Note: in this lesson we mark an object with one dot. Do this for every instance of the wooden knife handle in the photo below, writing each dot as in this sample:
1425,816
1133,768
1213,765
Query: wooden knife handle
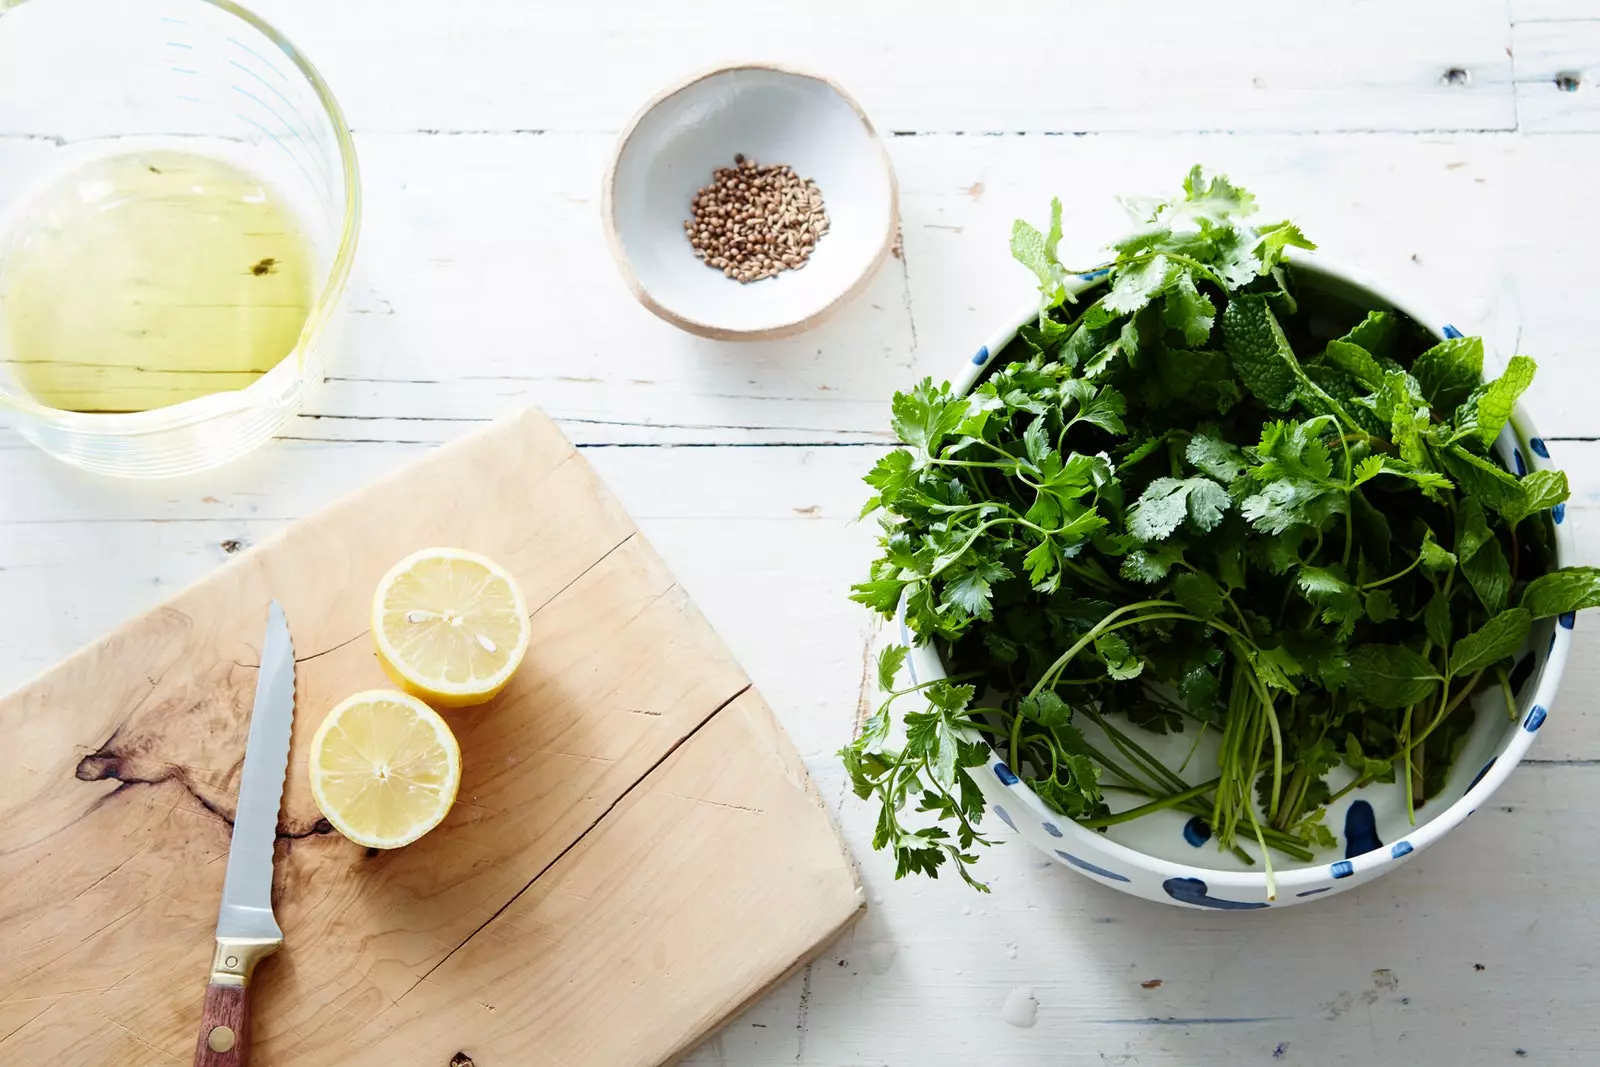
224,1027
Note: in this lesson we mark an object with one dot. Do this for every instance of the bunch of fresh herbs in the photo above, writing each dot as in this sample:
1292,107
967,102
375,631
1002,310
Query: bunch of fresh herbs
1199,496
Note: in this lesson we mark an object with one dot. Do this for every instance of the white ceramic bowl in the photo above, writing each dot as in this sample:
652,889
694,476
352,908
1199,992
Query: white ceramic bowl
769,114
1165,856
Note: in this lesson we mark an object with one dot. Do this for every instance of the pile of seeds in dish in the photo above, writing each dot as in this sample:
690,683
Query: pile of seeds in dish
752,221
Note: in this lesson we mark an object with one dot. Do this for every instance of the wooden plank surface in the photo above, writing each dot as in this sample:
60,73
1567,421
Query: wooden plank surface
739,461
120,777
918,67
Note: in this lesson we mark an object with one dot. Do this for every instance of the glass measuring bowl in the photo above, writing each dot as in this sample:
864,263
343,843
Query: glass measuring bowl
86,80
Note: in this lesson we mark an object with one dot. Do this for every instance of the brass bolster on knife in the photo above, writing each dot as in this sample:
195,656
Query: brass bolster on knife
236,958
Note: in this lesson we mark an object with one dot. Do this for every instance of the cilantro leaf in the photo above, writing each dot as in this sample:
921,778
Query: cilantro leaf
1341,603
1198,592
1151,562
1189,311
1103,407
1216,457
1047,709
1435,557
1380,606
1166,502
1137,285
1271,242
1120,662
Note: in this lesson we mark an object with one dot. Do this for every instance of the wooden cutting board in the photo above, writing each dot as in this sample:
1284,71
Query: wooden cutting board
635,853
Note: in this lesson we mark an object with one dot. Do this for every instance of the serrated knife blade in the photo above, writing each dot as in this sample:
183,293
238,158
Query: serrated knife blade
246,929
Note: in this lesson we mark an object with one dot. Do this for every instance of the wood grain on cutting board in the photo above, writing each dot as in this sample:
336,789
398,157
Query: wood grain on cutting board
636,849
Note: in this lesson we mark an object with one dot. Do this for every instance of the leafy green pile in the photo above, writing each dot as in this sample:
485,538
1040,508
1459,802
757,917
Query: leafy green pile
1200,496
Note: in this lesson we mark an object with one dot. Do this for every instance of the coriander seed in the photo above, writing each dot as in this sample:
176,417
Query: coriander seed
753,221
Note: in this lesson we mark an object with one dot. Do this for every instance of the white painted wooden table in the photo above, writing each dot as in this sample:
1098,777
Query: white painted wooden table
1450,147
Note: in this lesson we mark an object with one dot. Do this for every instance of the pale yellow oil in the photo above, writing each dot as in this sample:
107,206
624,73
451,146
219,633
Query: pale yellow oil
140,281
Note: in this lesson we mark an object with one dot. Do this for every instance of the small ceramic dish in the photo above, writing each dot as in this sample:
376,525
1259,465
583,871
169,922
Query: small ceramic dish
771,115
1168,857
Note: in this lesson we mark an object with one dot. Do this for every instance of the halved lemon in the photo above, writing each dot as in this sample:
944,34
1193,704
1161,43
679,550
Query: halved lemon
384,768
450,625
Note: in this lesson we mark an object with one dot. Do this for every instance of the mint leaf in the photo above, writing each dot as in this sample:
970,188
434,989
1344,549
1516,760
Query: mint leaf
1256,345
1490,643
1436,620
1541,490
1356,362
1037,252
1263,359
1560,592
1485,482
1483,561
1500,397
1472,529
1449,371
1378,334
1390,676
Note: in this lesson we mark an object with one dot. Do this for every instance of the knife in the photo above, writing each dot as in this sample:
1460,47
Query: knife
246,930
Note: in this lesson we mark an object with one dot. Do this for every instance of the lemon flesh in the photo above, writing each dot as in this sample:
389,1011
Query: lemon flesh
384,768
450,626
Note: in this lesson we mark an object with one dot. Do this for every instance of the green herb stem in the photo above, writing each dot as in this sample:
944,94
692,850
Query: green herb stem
1162,804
